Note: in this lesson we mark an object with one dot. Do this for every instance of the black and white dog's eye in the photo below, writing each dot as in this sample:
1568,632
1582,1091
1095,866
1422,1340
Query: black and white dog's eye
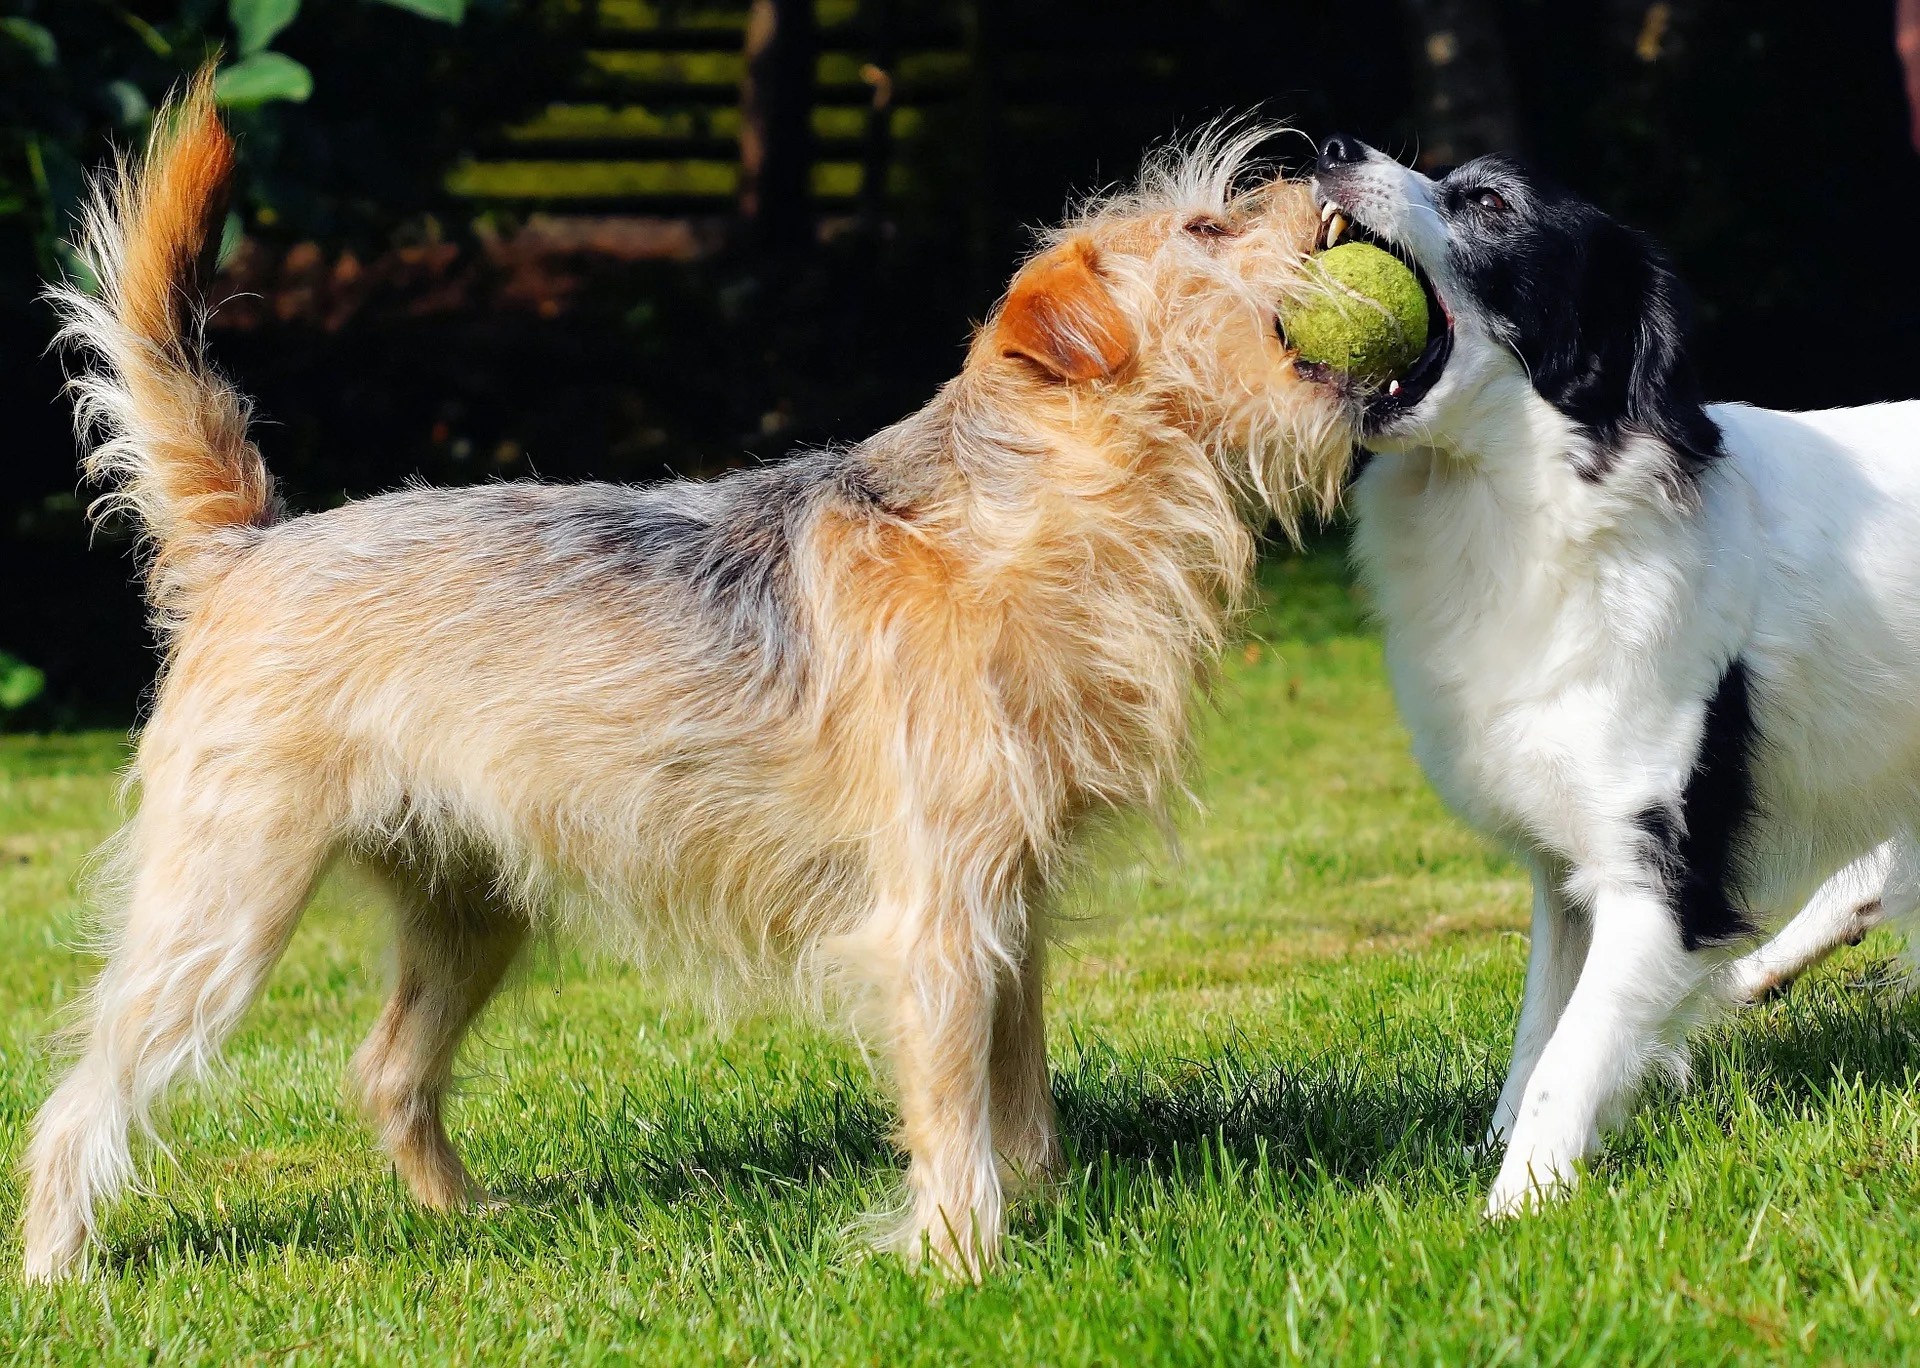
1490,200
1204,227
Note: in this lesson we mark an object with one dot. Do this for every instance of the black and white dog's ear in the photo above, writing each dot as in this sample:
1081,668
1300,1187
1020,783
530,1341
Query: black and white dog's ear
1630,372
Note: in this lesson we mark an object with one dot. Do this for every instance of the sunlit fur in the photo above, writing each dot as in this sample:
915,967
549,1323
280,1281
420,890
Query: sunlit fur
1882,886
835,721
1664,651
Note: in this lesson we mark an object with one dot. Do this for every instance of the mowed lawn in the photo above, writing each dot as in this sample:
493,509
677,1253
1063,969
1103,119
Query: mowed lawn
1269,1055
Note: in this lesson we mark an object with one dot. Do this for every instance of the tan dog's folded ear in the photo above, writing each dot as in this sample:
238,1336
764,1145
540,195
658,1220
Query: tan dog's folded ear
1061,316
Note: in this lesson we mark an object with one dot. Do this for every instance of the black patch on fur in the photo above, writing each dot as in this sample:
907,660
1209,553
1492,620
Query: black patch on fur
1695,851
1593,308
727,543
857,486
732,552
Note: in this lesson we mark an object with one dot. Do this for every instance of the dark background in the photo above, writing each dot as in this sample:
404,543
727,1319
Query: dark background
395,323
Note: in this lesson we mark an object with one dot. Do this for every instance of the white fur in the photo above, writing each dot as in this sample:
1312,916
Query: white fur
1842,911
1553,643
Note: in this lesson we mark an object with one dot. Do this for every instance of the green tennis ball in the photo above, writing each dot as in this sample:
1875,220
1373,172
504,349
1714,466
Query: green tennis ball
1365,313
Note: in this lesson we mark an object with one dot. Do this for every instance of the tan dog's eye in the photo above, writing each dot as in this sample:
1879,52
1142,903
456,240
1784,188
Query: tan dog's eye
1205,228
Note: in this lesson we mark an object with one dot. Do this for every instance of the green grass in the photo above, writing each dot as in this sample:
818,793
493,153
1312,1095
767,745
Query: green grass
1268,1056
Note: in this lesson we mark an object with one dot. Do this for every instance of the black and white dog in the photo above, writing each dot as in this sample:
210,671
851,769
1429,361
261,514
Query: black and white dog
1667,652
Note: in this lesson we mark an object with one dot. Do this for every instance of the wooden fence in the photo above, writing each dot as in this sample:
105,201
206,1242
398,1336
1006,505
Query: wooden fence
653,121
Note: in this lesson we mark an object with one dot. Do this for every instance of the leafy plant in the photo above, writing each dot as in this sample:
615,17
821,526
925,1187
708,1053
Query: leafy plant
75,72
20,683
257,22
262,76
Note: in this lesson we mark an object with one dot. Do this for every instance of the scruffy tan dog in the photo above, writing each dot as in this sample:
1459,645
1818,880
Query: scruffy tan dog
838,719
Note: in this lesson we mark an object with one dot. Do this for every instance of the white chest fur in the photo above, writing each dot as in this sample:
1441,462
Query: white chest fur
1550,656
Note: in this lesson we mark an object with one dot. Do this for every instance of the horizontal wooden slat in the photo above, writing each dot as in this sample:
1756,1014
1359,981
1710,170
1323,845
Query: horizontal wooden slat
831,97
724,70
635,123
648,149
569,180
667,78
852,38
572,180
645,15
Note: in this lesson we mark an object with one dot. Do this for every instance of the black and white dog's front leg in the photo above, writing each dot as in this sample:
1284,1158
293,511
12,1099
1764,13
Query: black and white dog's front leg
1663,895
1631,991
1560,936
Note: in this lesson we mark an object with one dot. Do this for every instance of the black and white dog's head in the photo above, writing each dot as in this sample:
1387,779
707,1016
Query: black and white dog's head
1537,289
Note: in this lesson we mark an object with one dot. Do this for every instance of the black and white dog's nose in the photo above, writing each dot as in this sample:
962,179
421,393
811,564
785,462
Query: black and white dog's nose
1341,150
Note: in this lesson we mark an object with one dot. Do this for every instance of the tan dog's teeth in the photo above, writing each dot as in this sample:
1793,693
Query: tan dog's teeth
1336,228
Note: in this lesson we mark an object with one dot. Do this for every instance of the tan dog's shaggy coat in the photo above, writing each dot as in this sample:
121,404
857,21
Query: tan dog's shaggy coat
841,716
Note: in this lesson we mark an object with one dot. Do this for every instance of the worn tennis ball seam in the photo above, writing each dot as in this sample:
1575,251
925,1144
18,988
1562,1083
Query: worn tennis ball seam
1365,313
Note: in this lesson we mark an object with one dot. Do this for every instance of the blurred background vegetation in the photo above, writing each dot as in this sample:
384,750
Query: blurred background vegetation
623,238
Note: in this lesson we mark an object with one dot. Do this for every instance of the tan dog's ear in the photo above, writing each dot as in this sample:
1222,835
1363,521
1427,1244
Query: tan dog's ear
1062,317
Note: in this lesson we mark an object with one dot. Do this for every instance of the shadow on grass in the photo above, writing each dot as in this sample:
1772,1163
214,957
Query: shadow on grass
1863,1029
678,1146
1350,1122
1341,1119
829,1139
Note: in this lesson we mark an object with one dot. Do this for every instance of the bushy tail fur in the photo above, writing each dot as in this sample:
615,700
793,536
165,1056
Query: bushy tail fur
169,433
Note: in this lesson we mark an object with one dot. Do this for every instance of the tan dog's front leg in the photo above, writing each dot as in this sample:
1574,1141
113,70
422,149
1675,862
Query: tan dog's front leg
940,994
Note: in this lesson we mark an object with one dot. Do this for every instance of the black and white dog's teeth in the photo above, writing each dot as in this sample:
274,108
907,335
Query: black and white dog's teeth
1334,225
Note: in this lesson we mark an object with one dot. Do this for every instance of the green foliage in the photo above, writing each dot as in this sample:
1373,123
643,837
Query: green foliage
261,78
20,683
446,11
75,74
257,22
35,38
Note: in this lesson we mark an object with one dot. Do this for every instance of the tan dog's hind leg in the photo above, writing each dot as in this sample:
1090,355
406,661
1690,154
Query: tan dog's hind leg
1025,1132
454,946
223,866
